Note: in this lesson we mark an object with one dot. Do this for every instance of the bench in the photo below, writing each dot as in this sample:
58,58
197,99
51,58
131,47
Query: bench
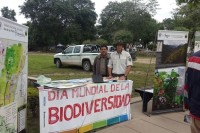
146,95
31,80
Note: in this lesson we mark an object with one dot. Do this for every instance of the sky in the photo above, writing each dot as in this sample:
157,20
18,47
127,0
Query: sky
166,6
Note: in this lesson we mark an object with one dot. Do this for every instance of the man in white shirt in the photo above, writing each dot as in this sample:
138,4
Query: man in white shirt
120,63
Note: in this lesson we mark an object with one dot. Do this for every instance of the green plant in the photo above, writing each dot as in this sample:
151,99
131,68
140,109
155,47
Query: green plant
165,88
33,100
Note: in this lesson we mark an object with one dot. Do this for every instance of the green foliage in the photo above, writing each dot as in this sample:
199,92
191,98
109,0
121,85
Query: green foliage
188,16
168,24
33,100
87,42
191,2
32,92
57,21
152,46
8,13
33,110
181,29
101,42
133,16
123,35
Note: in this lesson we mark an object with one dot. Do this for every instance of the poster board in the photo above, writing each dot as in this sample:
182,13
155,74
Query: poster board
13,76
197,41
170,71
86,108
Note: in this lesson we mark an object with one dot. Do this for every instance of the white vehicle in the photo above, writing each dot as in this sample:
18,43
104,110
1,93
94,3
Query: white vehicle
79,55
111,49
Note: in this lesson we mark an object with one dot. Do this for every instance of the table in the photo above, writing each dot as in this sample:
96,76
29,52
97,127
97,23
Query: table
84,108
146,96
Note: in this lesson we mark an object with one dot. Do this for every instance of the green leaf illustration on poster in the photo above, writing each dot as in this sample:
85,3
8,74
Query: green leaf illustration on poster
14,59
165,90
6,128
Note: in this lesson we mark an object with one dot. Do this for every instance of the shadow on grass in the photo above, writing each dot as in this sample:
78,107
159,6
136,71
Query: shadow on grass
33,123
73,67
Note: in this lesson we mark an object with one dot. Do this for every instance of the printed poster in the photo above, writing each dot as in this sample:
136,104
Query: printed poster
170,70
82,109
13,74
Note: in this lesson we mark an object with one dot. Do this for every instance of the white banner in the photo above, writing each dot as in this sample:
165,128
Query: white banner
67,109
172,35
13,31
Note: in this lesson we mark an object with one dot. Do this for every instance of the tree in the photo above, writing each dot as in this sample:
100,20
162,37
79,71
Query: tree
123,35
152,46
101,42
191,2
85,19
110,21
132,16
8,13
60,21
188,16
168,24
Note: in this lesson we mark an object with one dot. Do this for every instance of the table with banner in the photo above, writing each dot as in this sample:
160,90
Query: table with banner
81,106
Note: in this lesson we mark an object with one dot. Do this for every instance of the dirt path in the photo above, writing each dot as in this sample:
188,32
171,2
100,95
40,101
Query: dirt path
145,60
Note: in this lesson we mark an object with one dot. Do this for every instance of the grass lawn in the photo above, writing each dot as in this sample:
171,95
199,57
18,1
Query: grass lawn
42,64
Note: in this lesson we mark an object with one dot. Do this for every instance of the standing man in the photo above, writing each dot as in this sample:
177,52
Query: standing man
192,88
120,63
101,62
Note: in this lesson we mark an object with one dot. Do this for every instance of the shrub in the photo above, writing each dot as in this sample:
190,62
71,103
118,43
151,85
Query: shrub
33,101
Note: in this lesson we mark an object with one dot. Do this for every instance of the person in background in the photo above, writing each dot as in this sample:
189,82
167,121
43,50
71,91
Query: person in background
101,62
192,91
120,63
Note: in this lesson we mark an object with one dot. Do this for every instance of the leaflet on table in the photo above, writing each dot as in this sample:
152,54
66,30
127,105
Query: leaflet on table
62,85
85,80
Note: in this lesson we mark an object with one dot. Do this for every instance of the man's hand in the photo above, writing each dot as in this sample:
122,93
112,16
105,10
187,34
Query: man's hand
122,78
110,77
